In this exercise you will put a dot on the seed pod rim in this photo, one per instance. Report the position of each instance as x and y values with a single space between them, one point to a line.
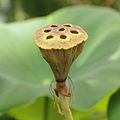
55 43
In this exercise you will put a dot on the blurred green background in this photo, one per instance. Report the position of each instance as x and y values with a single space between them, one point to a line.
18 10
25 77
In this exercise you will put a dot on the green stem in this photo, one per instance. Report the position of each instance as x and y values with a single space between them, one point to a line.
65 107
46 108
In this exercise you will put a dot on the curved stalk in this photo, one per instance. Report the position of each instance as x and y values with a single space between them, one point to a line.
65 107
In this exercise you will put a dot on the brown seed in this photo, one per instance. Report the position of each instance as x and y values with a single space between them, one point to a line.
49 37
67 25
47 31
63 36
53 25
61 29
74 32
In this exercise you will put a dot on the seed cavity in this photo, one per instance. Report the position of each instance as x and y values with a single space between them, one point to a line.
63 36
47 31
61 29
53 25
74 32
49 37
67 25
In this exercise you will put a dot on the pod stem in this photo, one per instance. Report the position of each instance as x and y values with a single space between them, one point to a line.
65 107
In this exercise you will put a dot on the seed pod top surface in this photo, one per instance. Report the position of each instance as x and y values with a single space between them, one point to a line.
60 36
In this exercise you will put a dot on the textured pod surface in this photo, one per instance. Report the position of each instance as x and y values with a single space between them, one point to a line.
60 44
60 60
60 36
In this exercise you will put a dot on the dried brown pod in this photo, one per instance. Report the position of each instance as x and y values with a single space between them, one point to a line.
60 45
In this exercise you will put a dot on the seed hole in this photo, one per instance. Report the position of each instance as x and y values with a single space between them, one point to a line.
53 25
61 29
63 36
74 31
49 37
67 25
47 31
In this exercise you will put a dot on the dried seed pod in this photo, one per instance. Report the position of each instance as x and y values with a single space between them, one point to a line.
60 45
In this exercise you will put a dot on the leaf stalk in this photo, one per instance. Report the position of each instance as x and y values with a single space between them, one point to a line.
65 107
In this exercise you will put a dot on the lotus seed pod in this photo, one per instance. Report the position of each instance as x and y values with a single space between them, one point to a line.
60 45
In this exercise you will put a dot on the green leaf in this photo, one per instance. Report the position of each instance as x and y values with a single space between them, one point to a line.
5 117
18 76
43 108
40 8
116 5
114 107
96 72
24 75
